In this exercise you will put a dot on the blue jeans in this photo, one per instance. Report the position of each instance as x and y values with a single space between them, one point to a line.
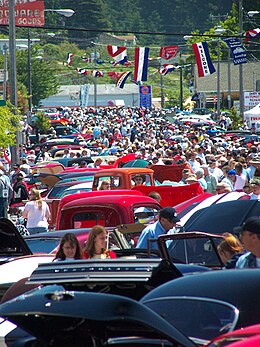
2 207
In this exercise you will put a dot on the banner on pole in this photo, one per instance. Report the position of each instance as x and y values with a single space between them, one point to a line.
237 50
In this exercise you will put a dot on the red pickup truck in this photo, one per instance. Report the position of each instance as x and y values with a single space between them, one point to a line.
124 178
105 208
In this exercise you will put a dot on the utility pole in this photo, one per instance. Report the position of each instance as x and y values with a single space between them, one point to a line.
241 77
29 76
181 86
5 73
13 77
95 77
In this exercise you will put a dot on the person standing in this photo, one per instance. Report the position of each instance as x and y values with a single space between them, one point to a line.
230 179
210 179
167 220
20 191
5 194
37 213
255 187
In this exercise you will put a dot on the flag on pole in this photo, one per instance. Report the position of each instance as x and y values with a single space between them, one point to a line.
204 63
8 154
120 82
118 53
165 68
69 58
168 52
82 71
238 51
141 64
252 34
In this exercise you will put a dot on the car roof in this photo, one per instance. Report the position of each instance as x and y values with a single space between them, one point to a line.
230 285
58 233
110 199
222 217
129 170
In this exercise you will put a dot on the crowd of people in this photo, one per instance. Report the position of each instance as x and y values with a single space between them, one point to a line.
220 161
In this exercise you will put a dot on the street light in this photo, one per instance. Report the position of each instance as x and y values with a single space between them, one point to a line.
64 12
219 30
252 13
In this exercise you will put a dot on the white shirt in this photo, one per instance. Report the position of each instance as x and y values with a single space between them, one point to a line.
36 217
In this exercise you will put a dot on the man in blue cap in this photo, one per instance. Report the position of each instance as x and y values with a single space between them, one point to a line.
167 220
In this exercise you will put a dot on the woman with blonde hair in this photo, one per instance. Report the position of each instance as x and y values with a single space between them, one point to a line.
105 185
97 244
230 249
37 213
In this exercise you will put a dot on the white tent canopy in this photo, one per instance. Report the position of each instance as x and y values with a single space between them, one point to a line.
253 115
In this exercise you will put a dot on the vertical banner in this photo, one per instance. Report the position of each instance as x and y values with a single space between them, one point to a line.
141 64
84 95
204 63
237 50
27 13
145 93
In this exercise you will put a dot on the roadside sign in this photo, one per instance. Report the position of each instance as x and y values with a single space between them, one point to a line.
145 93
251 99
27 13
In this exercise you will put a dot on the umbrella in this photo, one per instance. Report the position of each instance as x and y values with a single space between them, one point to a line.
136 163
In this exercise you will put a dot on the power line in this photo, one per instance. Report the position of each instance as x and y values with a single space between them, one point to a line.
127 32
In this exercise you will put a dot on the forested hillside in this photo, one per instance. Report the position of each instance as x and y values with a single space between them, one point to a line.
166 16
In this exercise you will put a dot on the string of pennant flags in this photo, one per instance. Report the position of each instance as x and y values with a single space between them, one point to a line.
141 59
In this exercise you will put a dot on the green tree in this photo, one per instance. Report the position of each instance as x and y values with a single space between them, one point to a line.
43 75
236 118
9 124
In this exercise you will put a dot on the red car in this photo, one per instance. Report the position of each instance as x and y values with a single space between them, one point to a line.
246 337
106 208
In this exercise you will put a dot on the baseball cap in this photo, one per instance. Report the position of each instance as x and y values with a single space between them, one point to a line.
252 224
232 172
170 214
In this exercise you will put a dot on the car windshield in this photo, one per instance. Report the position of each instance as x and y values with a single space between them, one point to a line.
202 251
74 191
42 245
199 318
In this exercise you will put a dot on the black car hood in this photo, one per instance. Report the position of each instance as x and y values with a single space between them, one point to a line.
222 217
11 242
64 318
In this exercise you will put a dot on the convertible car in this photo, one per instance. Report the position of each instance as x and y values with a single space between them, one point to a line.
184 312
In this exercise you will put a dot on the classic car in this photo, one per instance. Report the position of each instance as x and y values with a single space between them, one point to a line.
221 217
183 312
133 276
16 258
106 207
246 337
238 287
123 178
48 242
187 208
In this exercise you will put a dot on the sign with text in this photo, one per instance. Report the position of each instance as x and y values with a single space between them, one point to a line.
251 99
145 96
27 12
